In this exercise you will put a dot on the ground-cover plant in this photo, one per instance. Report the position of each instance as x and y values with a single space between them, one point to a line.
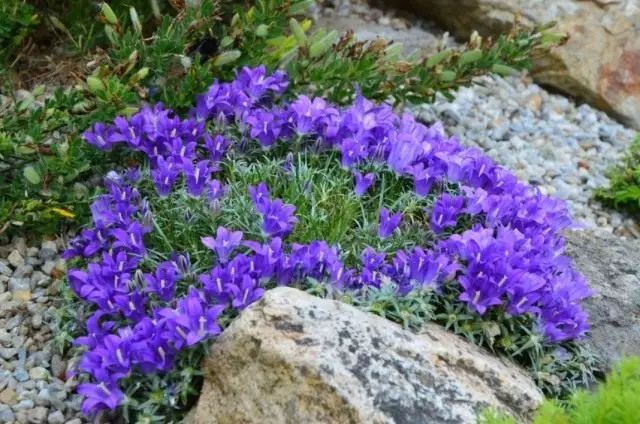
614 401
177 58
253 190
624 188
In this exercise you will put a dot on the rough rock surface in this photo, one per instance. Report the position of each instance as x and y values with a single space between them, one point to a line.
611 265
601 62
294 358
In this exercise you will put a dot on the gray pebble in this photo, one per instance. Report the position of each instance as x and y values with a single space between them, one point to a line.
56 417
4 269
49 250
6 414
38 415
15 259
21 375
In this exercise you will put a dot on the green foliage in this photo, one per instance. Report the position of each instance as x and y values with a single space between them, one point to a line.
614 402
17 21
624 189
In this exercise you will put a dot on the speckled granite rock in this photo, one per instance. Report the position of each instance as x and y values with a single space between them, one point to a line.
294 358
612 267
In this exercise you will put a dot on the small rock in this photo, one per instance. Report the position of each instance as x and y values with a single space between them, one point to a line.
56 417
8 352
32 251
7 415
8 397
24 404
36 321
49 250
23 271
74 421
4 269
21 375
22 295
48 267
58 365
39 373
19 284
37 415
15 259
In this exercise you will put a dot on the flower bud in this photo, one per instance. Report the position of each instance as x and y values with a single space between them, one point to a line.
138 279
135 20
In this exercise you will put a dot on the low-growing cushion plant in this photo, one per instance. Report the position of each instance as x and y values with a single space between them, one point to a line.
614 401
623 191
255 189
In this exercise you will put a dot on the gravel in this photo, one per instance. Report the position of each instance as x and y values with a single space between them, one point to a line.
34 387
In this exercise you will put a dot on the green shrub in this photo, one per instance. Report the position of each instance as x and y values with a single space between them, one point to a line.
615 401
624 189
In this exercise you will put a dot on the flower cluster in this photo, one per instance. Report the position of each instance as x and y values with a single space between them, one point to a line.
511 258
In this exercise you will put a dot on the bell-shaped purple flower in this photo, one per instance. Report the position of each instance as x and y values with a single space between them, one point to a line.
245 293
105 395
224 242
363 182
165 175
197 176
445 212
388 223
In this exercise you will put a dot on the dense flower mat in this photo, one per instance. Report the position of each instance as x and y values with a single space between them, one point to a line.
251 191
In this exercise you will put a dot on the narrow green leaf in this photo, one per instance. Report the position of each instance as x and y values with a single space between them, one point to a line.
321 46
298 32
504 70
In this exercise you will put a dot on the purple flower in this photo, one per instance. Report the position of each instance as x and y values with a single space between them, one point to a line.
260 197
105 395
216 146
163 281
224 242
165 175
193 321
278 218
265 126
388 223
197 176
215 190
445 212
130 239
102 137
479 293
214 284
245 293
363 182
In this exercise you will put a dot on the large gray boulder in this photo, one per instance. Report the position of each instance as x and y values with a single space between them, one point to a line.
600 64
612 267
294 358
